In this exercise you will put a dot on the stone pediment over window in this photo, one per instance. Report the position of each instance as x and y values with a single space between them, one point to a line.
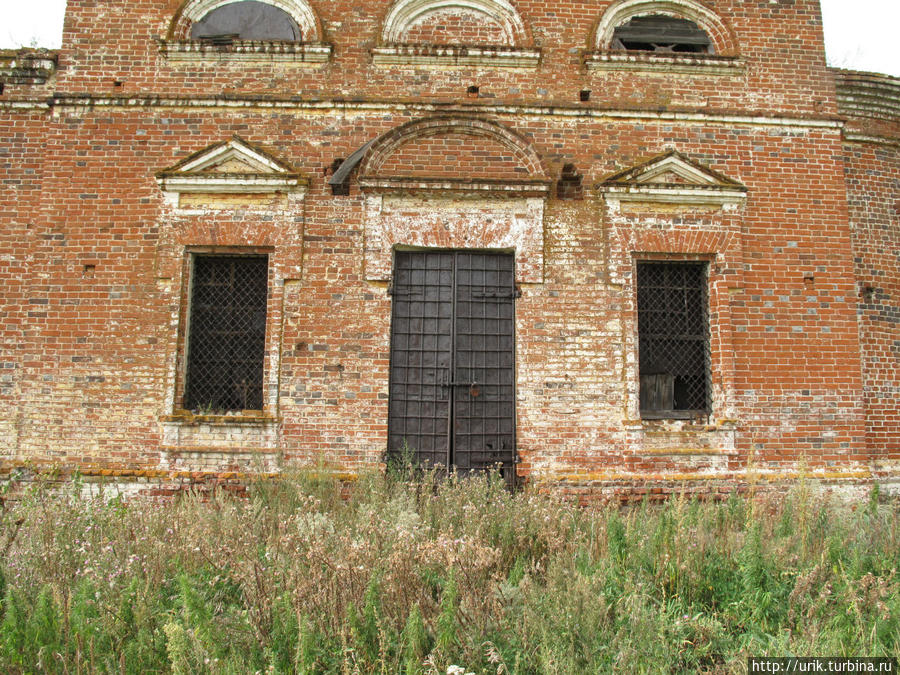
486 33
232 167
674 179
246 30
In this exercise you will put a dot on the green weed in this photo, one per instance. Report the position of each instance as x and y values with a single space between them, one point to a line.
412 572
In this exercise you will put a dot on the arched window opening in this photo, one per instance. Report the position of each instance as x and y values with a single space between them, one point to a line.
661 33
247 20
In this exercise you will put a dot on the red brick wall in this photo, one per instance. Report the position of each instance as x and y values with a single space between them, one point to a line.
873 183
455 155
456 27
93 311
21 160
781 46
872 174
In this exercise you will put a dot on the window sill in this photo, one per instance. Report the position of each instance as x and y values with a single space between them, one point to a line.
249 431
698 415
456 55
653 62
242 419
697 444
665 422
244 51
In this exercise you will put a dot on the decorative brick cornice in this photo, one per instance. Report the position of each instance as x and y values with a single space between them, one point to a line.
75 103
456 55
27 66
525 188
666 64
245 50
870 95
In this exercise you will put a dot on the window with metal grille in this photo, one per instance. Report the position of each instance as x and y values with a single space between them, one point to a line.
226 333
673 339
659 33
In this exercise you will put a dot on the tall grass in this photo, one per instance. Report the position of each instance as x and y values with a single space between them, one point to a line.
416 575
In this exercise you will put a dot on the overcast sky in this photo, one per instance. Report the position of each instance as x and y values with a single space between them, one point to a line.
859 34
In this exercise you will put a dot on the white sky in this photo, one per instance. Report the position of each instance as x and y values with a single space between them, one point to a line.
859 34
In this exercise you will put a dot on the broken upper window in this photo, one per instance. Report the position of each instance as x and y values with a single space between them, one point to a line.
673 339
247 20
660 33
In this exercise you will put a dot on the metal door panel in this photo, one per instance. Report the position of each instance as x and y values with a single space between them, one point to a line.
483 430
420 353
452 391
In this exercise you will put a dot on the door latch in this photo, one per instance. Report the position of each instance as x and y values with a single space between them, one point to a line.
474 389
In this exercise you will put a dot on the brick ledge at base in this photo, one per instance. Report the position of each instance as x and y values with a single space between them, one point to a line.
584 487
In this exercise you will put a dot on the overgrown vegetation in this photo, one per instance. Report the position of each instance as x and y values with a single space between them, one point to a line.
422 575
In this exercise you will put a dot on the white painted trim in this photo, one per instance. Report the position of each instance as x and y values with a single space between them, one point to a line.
265 175
230 184
880 140
515 223
33 66
679 64
25 105
470 186
245 50
680 168
404 13
484 57
317 107
672 195
234 149
704 187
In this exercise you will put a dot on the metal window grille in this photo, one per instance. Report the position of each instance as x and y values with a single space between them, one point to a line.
673 338
227 333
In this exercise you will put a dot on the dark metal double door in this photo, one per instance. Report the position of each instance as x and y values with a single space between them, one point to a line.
452 382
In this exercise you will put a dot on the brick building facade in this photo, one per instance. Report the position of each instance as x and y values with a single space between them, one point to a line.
620 246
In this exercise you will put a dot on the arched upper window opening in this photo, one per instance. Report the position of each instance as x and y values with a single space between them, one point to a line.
454 22
674 26
246 30
661 33
487 33
247 20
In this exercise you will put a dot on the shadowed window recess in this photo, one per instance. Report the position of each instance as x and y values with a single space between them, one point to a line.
247 20
673 339
227 333
660 33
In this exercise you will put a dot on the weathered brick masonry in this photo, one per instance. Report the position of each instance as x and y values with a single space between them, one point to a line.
492 126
